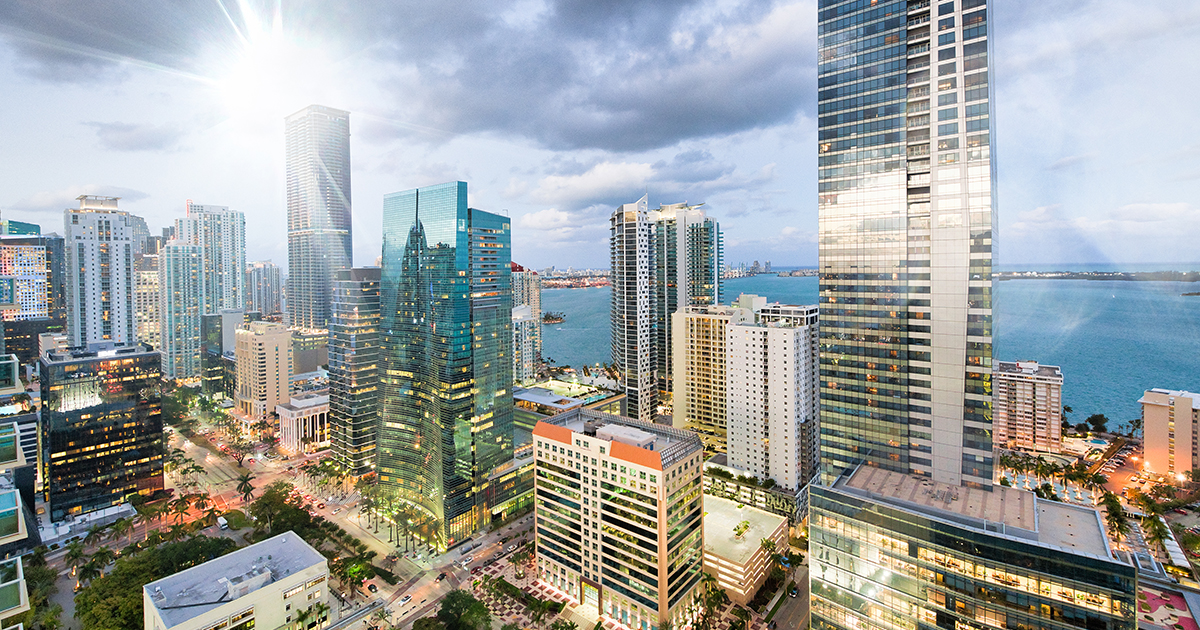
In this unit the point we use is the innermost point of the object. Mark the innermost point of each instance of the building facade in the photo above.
(890, 550)
(632, 311)
(634, 547)
(1028, 406)
(220, 233)
(218, 338)
(772, 385)
(906, 220)
(354, 359)
(304, 422)
(318, 204)
(27, 266)
(1171, 431)
(102, 428)
(147, 299)
(740, 564)
(446, 376)
(99, 269)
(702, 361)
(263, 353)
(688, 258)
(264, 287)
(181, 304)
(525, 335)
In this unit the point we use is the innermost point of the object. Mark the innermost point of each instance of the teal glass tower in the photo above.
(446, 373)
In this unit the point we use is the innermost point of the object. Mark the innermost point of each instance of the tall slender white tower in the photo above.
(632, 312)
(99, 268)
(180, 280)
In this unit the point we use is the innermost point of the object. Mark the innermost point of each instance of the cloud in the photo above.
(59, 200)
(603, 182)
(548, 219)
(1138, 232)
(1067, 162)
(133, 137)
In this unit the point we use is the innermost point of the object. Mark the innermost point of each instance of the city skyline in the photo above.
(182, 116)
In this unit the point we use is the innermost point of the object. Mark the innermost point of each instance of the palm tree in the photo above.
(120, 528)
(75, 555)
(245, 487)
(102, 557)
(384, 615)
(180, 507)
(1155, 529)
(538, 609)
(94, 534)
(211, 514)
(88, 572)
(146, 515)
(302, 616)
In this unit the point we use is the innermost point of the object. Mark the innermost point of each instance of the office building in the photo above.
(894, 550)
(701, 357)
(264, 286)
(318, 208)
(632, 309)
(446, 404)
(220, 233)
(1171, 431)
(310, 350)
(99, 267)
(304, 422)
(281, 582)
(147, 306)
(525, 333)
(19, 228)
(354, 357)
(139, 233)
(181, 303)
(263, 352)
(218, 338)
(102, 428)
(772, 383)
(633, 550)
(26, 265)
(1028, 406)
(740, 564)
(906, 217)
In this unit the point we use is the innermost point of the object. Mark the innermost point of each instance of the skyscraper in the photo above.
(354, 357)
(99, 269)
(527, 323)
(263, 352)
(181, 303)
(147, 301)
(632, 313)
(906, 202)
(446, 375)
(263, 286)
(221, 235)
(318, 205)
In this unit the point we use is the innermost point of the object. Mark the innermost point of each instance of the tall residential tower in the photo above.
(99, 269)
(220, 233)
(318, 208)
(354, 369)
(906, 225)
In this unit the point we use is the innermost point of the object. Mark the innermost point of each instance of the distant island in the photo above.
(1128, 276)
(1191, 294)
(550, 317)
(798, 273)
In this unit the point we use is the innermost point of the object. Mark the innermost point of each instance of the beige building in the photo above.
(272, 584)
(1171, 430)
(740, 564)
(1027, 406)
(304, 422)
(263, 356)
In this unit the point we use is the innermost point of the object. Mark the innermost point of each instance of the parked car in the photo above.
(371, 587)
(404, 600)
(476, 570)
(1180, 511)
(467, 560)
(440, 577)
(320, 506)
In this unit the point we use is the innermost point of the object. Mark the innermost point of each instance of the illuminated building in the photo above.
(354, 357)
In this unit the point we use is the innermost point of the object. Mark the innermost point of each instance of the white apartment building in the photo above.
(221, 235)
(700, 355)
(772, 384)
(180, 279)
(263, 357)
(304, 422)
(1171, 431)
(275, 583)
(527, 291)
(526, 332)
(264, 286)
(98, 248)
(619, 515)
(1027, 406)
(632, 310)
(146, 301)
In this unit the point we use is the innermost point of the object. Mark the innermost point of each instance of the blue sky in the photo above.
(556, 112)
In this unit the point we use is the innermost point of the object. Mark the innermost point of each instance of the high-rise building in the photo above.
(26, 265)
(1171, 430)
(890, 550)
(634, 548)
(772, 382)
(8, 226)
(702, 361)
(218, 338)
(21, 326)
(147, 300)
(99, 272)
(263, 351)
(220, 233)
(1028, 406)
(354, 359)
(263, 288)
(181, 303)
(18, 527)
(632, 313)
(446, 376)
(527, 326)
(906, 211)
(52, 245)
(139, 232)
(102, 428)
(318, 205)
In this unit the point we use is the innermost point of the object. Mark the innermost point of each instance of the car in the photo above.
(336, 510)
(1180, 511)
(440, 577)
(467, 560)
(795, 591)
(476, 570)
(404, 600)
(510, 548)
(320, 506)
(372, 588)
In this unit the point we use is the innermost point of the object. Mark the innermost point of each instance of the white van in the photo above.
(222, 523)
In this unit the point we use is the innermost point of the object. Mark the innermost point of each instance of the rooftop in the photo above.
(544, 396)
(722, 515)
(1176, 394)
(97, 352)
(670, 444)
(1005, 511)
(200, 589)
(305, 400)
(1030, 368)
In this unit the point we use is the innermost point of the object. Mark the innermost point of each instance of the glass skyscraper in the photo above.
(318, 208)
(354, 369)
(906, 226)
(446, 376)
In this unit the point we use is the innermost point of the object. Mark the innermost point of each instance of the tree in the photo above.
(244, 486)
(1099, 422)
(428, 623)
(384, 615)
(75, 555)
(461, 611)
(239, 449)
(741, 528)
(94, 535)
(179, 507)
(538, 609)
(563, 624)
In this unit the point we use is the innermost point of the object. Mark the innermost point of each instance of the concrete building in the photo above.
(263, 352)
(527, 291)
(99, 269)
(147, 304)
(740, 563)
(181, 303)
(281, 582)
(18, 530)
(264, 286)
(906, 200)
(102, 428)
(619, 518)
(354, 358)
(218, 339)
(318, 207)
(1027, 413)
(701, 359)
(1171, 431)
(220, 233)
(310, 350)
(526, 333)
(27, 266)
(304, 422)
(772, 384)
(894, 550)
(632, 310)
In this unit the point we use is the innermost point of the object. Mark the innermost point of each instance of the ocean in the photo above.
(1113, 340)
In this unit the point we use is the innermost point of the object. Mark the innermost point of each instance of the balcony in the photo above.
(917, 6)
(919, 19)
(14, 599)
(918, 49)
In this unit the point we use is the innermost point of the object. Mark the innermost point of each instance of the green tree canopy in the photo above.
(461, 611)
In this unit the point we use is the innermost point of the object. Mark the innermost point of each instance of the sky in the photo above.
(555, 112)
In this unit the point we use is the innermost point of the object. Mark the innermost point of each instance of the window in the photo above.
(946, 38)
(948, 158)
(947, 84)
(948, 129)
(314, 582)
(977, 48)
(947, 53)
(948, 114)
(946, 24)
(947, 144)
(292, 592)
(947, 68)
(945, 9)
(977, 110)
(947, 99)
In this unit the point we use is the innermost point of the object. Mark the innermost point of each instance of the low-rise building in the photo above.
(742, 563)
(304, 422)
(1027, 406)
(1171, 430)
(272, 584)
